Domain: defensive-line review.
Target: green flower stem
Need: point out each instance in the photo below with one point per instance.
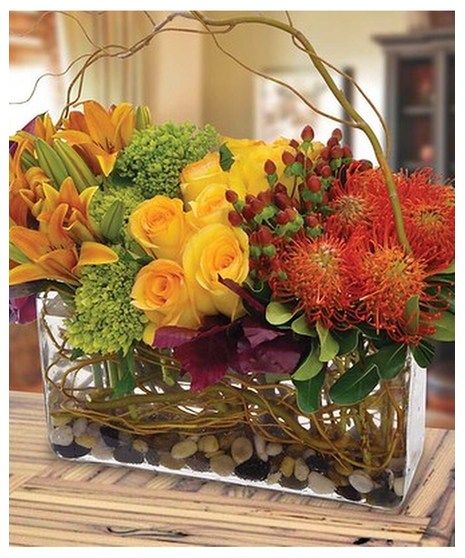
(98, 375)
(114, 371)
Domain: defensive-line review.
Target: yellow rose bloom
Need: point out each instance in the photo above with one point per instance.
(248, 172)
(160, 290)
(196, 176)
(210, 207)
(159, 225)
(216, 250)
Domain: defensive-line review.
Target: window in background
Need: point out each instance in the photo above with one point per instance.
(33, 52)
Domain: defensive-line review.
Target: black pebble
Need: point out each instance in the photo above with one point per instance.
(317, 463)
(383, 497)
(127, 454)
(72, 451)
(292, 482)
(253, 469)
(349, 493)
(110, 436)
(153, 457)
(198, 462)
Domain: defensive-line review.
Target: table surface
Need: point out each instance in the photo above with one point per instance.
(54, 502)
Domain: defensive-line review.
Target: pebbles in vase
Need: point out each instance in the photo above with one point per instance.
(208, 444)
(241, 450)
(253, 469)
(320, 484)
(62, 436)
(222, 465)
(361, 481)
(183, 449)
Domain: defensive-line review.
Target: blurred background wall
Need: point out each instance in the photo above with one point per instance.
(403, 60)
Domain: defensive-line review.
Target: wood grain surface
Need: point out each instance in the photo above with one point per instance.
(62, 503)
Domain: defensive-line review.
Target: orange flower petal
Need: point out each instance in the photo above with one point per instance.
(56, 231)
(94, 253)
(33, 244)
(68, 193)
(60, 265)
(107, 162)
(26, 272)
(123, 120)
(101, 129)
(73, 136)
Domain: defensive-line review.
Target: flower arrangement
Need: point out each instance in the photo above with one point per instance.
(212, 282)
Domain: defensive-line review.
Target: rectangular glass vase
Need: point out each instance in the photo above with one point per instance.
(243, 430)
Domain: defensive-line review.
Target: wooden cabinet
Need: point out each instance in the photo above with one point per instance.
(420, 99)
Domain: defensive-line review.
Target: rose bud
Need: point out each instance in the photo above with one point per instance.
(287, 158)
(307, 133)
(234, 218)
(325, 198)
(324, 153)
(313, 183)
(336, 152)
(231, 196)
(337, 133)
(257, 206)
(269, 166)
(291, 213)
(265, 196)
(300, 158)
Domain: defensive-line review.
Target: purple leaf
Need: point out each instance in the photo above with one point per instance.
(279, 356)
(169, 337)
(257, 333)
(23, 310)
(244, 294)
(29, 127)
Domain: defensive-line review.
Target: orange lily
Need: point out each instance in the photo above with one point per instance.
(46, 261)
(99, 134)
(64, 214)
(42, 127)
(26, 188)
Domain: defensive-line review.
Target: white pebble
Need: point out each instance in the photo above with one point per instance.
(79, 426)
(273, 448)
(241, 450)
(102, 452)
(301, 469)
(320, 484)
(93, 429)
(260, 447)
(62, 436)
(399, 486)
(361, 481)
(274, 478)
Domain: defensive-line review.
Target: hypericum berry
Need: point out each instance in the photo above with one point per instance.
(311, 220)
(264, 235)
(307, 133)
(269, 166)
(249, 198)
(324, 153)
(291, 213)
(332, 142)
(325, 171)
(234, 218)
(231, 196)
(346, 151)
(282, 200)
(248, 213)
(313, 183)
(300, 158)
(257, 205)
(337, 133)
(325, 198)
(280, 189)
(269, 250)
(294, 143)
(336, 152)
(282, 217)
(265, 196)
(287, 158)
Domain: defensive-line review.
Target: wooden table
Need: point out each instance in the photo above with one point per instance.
(60, 503)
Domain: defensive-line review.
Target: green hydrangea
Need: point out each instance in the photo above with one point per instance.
(156, 156)
(105, 321)
(102, 200)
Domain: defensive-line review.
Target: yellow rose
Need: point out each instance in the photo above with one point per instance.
(160, 290)
(216, 250)
(249, 160)
(241, 146)
(210, 207)
(196, 176)
(159, 225)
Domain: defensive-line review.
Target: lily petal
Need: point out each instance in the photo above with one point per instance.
(94, 253)
(99, 123)
(73, 136)
(33, 244)
(107, 162)
(26, 272)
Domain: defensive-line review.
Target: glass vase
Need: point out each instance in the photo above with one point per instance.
(245, 430)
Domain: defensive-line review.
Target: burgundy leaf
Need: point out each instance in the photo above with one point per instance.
(244, 294)
(22, 310)
(257, 333)
(169, 337)
(29, 127)
(279, 356)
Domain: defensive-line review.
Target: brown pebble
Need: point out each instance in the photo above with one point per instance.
(183, 449)
(86, 441)
(344, 469)
(198, 462)
(140, 445)
(222, 465)
(241, 450)
(293, 483)
(295, 450)
(208, 444)
(168, 461)
(287, 466)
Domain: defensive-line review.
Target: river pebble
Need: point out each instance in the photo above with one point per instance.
(79, 426)
(320, 484)
(62, 436)
(253, 469)
(140, 445)
(208, 444)
(198, 462)
(287, 466)
(398, 486)
(183, 449)
(260, 447)
(301, 470)
(86, 440)
(273, 449)
(102, 452)
(222, 465)
(127, 454)
(349, 493)
(60, 420)
(361, 481)
(241, 450)
(167, 460)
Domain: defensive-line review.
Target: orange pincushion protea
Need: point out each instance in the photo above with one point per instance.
(429, 217)
(383, 280)
(316, 275)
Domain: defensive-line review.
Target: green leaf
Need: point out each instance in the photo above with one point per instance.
(355, 384)
(347, 340)
(76, 353)
(126, 383)
(226, 157)
(309, 367)
(412, 314)
(379, 338)
(390, 360)
(275, 378)
(445, 328)
(442, 278)
(308, 392)
(17, 255)
(329, 347)
(278, 313)
(301, 327)
(423, 353)
(112, 221)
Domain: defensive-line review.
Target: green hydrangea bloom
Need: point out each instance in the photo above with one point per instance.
(105, 321)
(102, 200)
(156, 156)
